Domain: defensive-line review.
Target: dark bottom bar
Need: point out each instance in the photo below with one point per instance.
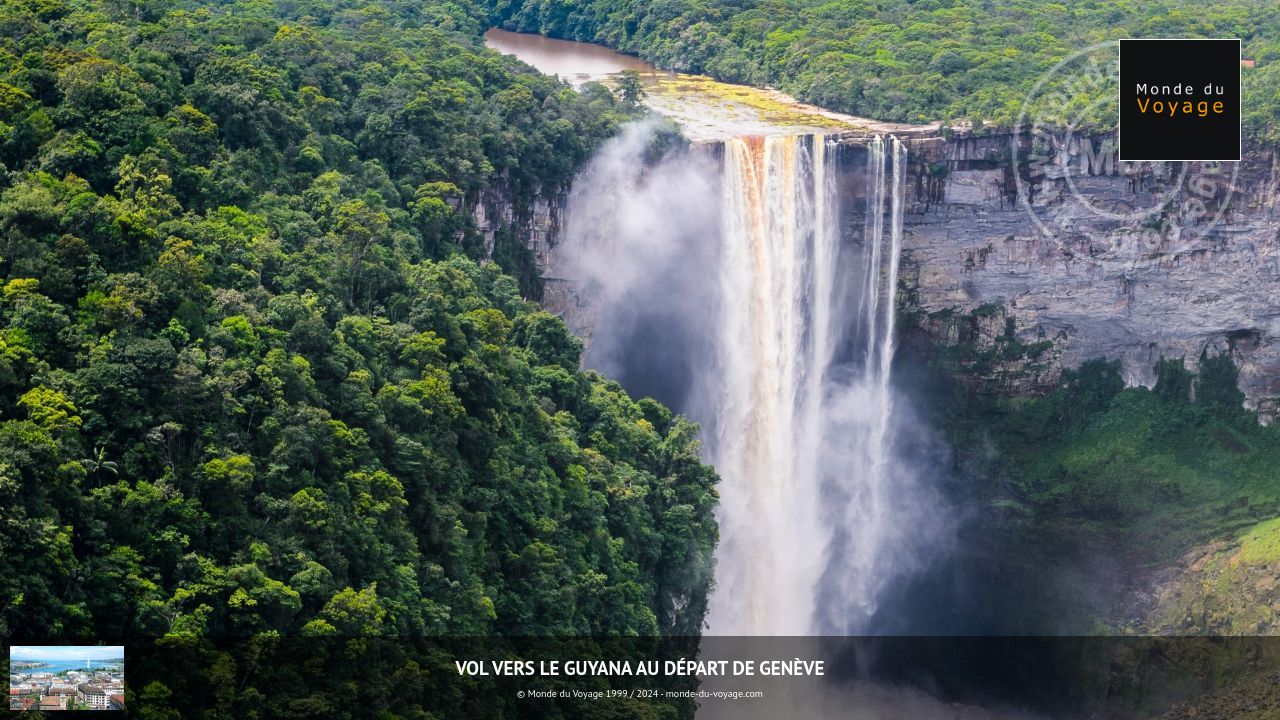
(740, 678)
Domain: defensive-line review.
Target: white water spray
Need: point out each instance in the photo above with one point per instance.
(785, 444)
(782, 324)
(870, 526)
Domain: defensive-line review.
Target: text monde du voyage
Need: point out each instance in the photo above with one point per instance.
(1181, 99)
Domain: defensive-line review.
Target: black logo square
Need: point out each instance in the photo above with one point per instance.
(1179, 100)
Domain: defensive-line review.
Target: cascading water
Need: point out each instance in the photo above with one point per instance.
(785, 328)
(791, 333)
(868, 523)
(776, 266)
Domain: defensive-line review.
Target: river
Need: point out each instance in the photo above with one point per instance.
(707, 110)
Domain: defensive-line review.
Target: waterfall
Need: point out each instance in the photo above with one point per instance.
(869, 530)
(774, 189)
(733, 286)
(796, 353)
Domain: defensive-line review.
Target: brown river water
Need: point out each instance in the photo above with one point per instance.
(706, 109)
(573, 62)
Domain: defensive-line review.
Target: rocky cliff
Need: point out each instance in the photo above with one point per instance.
(1066, 254)
(536, 227)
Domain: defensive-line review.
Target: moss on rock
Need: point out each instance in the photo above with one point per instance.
(1225, 588)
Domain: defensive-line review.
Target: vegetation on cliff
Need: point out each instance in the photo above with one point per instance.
(1229, 587)
(1171, 465)
(1089, 488)
(255, 373)
(910, 60)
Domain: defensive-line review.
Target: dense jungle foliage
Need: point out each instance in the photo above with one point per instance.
(256, 373)
(1086, 490)
(911, 60)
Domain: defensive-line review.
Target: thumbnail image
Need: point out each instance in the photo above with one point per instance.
(66, 677)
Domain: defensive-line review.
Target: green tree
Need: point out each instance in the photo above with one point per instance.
(630, 88)
(1217, 386)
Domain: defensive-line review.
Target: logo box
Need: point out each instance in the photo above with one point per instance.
(1179, 100)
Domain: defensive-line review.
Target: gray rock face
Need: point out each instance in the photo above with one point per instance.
(1082, 268)
(537, 226)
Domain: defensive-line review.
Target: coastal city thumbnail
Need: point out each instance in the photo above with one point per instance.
(66, 677)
